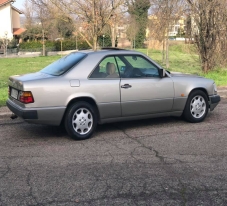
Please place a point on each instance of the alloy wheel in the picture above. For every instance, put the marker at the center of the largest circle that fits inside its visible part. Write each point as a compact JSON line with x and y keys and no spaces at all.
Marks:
{"x":82,"y":121}
{"x":198,"y":106}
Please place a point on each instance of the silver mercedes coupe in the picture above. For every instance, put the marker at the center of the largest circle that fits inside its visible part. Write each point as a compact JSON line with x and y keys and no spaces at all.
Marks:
{"x":87,"y":88}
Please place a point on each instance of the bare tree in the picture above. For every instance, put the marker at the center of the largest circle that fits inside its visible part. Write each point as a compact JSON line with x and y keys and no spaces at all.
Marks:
{"x":131,"y":31}
{"x":165,"y":13}
{"x":91,"y":15}
{"x":29,"y":13}
{"x":208,"y":20}
{"x":3,"y":45}
{"x":46,"y":20}
{"x":116,"y":19}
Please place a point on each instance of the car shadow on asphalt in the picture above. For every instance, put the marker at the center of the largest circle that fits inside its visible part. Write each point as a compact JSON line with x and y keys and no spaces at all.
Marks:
{"x":45,"y":132}
{"x":124,"y":125}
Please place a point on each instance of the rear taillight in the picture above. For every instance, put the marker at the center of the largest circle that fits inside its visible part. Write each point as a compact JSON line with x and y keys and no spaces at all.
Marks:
{"x":26,"y":97}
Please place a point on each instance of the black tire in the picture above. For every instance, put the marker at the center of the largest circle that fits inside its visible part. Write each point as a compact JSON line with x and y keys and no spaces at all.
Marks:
{"x":196,"y":108}
{"x":85,"y":120}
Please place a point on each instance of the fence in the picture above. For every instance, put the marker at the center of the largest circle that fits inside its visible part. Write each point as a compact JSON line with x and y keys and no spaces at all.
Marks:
{"x":9,"y":51}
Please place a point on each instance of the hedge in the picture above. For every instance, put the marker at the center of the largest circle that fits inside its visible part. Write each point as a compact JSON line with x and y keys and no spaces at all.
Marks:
{"x":53,"y":45}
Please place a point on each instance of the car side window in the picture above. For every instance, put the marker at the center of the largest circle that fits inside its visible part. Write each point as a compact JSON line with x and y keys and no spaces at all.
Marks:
{"x":138,"y":67}
{"x":107,"y":68}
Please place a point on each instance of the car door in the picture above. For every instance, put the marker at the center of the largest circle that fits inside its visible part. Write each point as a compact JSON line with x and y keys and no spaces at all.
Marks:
{"x":142,"y":90}
{"x":104,"y":83}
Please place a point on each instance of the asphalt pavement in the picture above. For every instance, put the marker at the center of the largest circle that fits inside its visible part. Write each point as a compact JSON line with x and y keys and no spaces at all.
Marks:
{"x":162,"y":161}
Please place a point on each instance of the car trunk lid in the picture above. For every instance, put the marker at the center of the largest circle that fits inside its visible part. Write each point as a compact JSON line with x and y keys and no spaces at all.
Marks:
{"x":17,"y":86}
{"x":17,"y":81}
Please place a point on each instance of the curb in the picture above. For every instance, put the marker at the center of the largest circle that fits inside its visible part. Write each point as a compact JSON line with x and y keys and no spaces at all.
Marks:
{"x":5,"y":112}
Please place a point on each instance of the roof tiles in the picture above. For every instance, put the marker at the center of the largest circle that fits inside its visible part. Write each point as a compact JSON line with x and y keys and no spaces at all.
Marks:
{"x":2,"y":2}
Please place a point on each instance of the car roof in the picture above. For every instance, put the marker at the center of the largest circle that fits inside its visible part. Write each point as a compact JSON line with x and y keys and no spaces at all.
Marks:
{"x":93,"y":58}
{"x":109,"y":51}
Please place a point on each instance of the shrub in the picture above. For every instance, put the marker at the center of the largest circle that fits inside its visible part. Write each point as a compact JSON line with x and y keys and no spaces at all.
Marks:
{"x":32,"y":45}
{"x":68,"y":44}
{"x":12,"y":44}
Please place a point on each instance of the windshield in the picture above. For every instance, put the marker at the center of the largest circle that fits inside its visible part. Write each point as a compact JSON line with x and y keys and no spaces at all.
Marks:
{"x":64,"y":64}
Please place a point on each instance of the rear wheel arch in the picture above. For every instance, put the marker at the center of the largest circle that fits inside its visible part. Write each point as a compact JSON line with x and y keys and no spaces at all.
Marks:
{"x":82,"y":99}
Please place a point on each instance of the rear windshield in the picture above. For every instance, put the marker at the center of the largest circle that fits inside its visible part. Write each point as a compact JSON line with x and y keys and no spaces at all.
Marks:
{"x":64,"y":64}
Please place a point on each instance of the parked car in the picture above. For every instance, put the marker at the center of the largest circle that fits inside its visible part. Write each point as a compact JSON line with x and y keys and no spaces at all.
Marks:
{"x":88,"y":87}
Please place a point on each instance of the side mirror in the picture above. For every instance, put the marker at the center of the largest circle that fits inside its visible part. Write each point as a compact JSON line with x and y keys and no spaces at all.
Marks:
{"x":162,"y":73}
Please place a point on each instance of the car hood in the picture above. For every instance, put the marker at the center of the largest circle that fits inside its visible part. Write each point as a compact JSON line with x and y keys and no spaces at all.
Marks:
{"x":178,"y":74}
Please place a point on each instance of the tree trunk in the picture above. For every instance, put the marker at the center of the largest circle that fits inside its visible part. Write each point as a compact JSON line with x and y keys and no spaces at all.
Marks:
{"x":163,"y":51}
{"x":167,"y":52}
{"x":205,"y":66}
{"x":94,"y":47}
{"x":113,"y":35}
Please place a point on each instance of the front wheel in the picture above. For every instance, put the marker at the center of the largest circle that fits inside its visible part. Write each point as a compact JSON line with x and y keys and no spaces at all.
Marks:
{"x":196,"y":108}
{"x":80,"y":121}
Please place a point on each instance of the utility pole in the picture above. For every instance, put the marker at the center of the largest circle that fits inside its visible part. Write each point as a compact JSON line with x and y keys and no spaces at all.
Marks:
{"x":61,"y":43}
{"x":134,"y":45}
{"x":6,"y":43}
{"x":167,"y":50}
{"x":76,"y":41}
{"x":94,"y":15}
{"x":103,"y":36}
{"x":167,"y":35}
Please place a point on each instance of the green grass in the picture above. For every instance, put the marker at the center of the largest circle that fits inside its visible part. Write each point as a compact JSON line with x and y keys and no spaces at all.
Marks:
{"x":182,"y":59}
{"x":219,"y":76}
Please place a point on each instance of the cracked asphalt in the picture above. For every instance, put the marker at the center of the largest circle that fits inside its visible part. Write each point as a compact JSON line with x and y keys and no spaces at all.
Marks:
{"x":163,"y":161}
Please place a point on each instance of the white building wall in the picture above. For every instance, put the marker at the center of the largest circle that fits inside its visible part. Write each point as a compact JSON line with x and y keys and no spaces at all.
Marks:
{"x":15,"y":19}
{"x":5,"y":22}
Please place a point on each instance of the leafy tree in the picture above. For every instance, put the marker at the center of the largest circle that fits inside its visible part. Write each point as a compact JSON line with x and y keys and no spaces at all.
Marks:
{"x":33,"y":33}
{"x":138,"y":9}
{"x":90,"y":16}
{"x":165,"y":14}
{"x":107,"y":41}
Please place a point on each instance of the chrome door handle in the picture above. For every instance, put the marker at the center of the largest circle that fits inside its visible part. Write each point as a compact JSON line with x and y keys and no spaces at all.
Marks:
{"x":126,"y":86}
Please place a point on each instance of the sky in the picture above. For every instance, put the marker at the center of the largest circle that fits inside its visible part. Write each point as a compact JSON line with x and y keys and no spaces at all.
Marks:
{"x":18,"y":4}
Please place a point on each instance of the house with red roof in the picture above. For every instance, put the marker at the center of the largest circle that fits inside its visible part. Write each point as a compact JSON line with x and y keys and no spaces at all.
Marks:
{"x":9,"y":20}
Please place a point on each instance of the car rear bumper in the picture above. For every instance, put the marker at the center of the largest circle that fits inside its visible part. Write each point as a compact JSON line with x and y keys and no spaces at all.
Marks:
{"x":45,"y":115}
{"x":214,"y":100}
{"x":21,"y":112}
